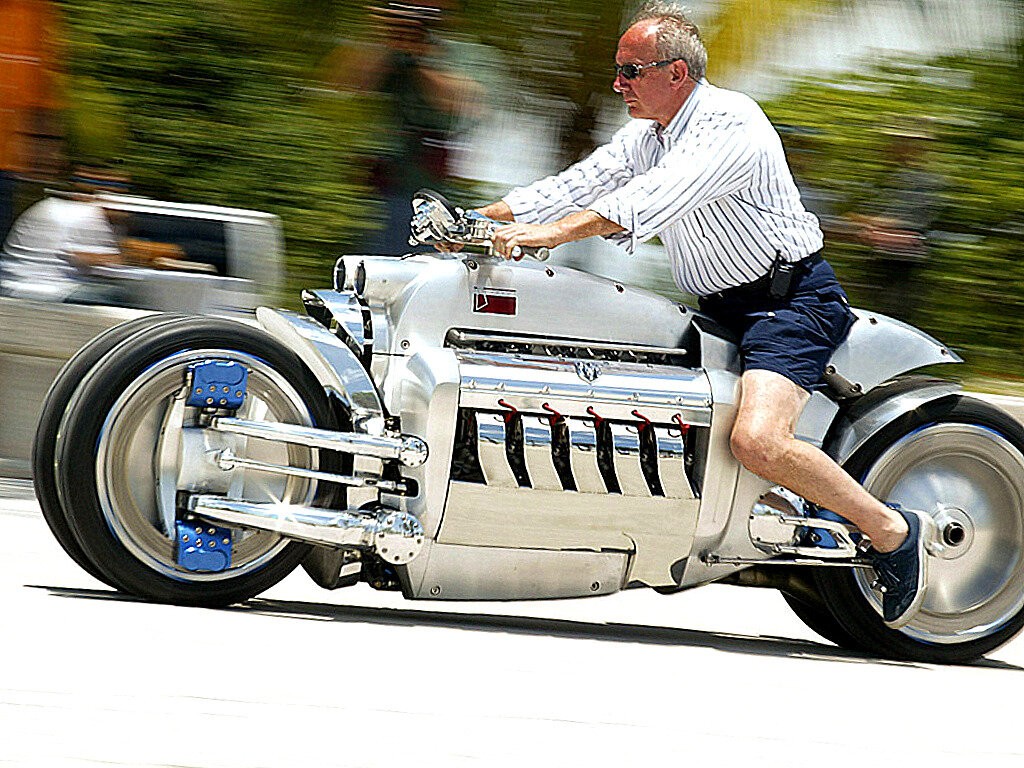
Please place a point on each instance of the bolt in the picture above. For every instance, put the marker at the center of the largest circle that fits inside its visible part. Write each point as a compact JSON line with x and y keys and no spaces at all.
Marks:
{"x":227,"y":389}
{"x":954,"y":534}
{"x":209,"y":401}
{"x":619,"y":288}
{"x":211,"y":531}
{"x":199,"y":390}
{"x":213,"y":388}
{"x":199,"y":530}
{"x":595,"y":586}
{"x":435,"y":590}
{"x":227,"y":541}
{"x":405,"y":344}
{"x":238,"y":393}
{"x":185,"y":537}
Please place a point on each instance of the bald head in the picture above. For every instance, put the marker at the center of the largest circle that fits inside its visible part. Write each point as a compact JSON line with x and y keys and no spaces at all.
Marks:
{"x":676,"y":36}
{"x":661,"y":86}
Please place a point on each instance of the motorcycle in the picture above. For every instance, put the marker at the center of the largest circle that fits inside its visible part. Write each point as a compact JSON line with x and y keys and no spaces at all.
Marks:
{"x":460,"y":427}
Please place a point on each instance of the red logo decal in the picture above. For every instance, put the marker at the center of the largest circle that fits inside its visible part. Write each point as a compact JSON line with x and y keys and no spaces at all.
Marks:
{"x":494,"y":301}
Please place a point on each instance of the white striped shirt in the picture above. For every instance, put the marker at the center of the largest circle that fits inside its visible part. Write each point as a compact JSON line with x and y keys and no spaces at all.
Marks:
{"x":714,"y":184}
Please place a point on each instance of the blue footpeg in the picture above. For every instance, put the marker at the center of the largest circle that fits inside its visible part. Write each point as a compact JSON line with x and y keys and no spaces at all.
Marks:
{"x":217,"y":384}
{"x":201,"y":547}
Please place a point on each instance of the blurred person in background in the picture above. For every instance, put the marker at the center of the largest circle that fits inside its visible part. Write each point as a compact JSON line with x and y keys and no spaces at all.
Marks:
{"x":704,"y":169}
{"x":898,"y":226}
{"x":55,"y":247}
{"x":408,"y":63}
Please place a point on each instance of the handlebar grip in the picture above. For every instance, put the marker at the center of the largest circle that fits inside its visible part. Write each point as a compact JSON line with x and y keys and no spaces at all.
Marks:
{"x":540,"y":253}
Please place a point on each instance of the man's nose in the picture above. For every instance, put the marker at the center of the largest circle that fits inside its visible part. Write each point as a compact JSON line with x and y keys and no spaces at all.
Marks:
{"x":619,"y":84}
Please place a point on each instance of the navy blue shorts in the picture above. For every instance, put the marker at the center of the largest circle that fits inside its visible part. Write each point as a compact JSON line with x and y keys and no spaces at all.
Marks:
{"x":794,"y":337}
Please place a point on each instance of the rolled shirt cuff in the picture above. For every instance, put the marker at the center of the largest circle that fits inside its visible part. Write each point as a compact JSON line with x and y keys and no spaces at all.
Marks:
{"x":621,"y":214}
{"x":522,"y":205}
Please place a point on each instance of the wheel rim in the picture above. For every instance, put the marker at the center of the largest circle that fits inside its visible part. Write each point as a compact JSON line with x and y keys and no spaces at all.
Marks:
{"x":967,"y":477}
{"x":138,"y":425}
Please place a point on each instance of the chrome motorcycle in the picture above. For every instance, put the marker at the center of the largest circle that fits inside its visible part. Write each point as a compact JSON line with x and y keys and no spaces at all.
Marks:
{"x":460,"y":427}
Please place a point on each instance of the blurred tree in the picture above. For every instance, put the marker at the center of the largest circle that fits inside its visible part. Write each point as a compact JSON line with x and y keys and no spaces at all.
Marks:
{"x":212,"y":96}
{"x":973,"y":111}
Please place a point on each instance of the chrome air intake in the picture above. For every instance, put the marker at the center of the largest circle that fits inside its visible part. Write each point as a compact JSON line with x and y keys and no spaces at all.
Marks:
{"x":585,"y":426}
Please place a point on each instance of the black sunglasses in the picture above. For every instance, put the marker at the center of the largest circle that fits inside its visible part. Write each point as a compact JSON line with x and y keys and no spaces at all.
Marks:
{"x":633,"y":71}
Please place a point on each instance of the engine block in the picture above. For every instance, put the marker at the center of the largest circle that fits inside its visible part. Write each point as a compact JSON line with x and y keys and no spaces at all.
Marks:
{"x":587,"y":426}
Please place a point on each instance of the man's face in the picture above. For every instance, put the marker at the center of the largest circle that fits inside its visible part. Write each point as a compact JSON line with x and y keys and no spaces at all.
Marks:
{"x":649,"y":96}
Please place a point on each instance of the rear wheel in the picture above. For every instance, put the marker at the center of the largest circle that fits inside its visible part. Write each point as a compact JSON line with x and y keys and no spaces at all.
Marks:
{"x":129,"y":443}
{"x":820,"y":620}
{"x":962,"y":462}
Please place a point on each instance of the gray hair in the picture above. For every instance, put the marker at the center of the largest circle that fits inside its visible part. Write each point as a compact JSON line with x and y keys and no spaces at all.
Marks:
{"x":676,"y":37}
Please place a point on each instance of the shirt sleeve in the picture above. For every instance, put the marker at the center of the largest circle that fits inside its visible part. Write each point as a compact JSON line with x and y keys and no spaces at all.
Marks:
{"x":574,"y":189}
{"x":92,"y":234}
{"x":716,"y":158}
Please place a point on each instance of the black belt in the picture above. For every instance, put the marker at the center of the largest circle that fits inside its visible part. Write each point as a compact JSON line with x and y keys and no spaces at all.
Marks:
{"x":759,"y":288}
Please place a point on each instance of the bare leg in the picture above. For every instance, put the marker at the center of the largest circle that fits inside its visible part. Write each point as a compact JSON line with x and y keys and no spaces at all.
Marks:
{"x":763,"y":441}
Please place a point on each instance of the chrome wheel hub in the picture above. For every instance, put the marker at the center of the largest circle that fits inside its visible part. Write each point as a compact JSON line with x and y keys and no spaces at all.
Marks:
{"x":968,"y":477}
{"x":146,"y":454}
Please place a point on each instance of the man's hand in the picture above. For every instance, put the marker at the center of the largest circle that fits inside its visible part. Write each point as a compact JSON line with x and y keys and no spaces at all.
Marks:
{"x":507,"y":238}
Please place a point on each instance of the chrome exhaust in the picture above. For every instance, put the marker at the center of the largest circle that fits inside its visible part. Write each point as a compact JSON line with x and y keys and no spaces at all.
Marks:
{"x":395,"y":536}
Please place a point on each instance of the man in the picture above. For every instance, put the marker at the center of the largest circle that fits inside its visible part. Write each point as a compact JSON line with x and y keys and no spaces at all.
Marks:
{"x":427,"y":99}
{"x":54,"y":246}
{"x":702,"y":168}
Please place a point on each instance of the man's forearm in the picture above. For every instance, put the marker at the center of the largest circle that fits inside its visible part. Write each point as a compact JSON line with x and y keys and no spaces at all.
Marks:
{"x":575,"y":226}
{"x":584,"y":224}
{"x":498,"y":211}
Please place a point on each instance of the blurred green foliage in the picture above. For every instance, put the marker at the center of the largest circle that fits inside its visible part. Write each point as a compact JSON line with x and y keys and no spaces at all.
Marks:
{"x":971,"y":112}
{"x":217,"y":111}
{"x":223,"y":102}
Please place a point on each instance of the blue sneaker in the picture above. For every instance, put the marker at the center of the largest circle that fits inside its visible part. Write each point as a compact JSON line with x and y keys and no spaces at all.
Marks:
{"x":903,"y":573}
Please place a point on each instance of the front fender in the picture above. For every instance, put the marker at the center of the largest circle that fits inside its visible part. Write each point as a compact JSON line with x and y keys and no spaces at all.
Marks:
{"x":332,"y":362}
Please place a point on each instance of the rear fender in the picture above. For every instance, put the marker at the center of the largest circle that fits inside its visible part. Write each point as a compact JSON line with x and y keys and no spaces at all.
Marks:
{"x":857,"y":423}
{"x":879,"y":348}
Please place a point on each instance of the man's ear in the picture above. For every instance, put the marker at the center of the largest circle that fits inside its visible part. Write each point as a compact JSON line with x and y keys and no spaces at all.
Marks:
{"x":680,"y":71}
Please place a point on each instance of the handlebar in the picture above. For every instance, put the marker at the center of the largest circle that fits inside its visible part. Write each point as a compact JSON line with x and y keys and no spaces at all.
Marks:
{"x":435,"y":222}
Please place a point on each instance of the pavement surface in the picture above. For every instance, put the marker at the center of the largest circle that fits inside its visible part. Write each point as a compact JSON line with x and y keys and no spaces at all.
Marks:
{"x":305,"y":677}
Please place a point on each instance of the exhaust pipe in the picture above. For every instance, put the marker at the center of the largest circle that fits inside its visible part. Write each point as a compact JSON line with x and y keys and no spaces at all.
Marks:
{"x":395,"y":536}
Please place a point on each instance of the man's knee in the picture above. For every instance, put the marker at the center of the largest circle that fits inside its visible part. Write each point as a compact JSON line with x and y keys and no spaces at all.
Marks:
{"x":756,"y":446}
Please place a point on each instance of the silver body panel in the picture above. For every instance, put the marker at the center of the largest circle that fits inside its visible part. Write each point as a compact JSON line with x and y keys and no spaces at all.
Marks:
{"x":643,"y":509}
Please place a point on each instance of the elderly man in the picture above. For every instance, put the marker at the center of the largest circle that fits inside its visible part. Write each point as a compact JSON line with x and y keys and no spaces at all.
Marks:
{"x":702,"y":168}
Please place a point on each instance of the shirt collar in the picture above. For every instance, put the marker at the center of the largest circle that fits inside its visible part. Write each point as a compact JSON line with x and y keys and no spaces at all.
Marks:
{"x":677,"y":125}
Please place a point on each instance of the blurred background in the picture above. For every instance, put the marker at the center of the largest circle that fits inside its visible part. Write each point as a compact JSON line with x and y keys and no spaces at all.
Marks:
{"x":903,"y":121}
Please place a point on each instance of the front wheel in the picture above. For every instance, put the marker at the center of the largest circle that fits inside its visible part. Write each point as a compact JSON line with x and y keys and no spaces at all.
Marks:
{"x":129,"y":443}
{"x":961,"y":461}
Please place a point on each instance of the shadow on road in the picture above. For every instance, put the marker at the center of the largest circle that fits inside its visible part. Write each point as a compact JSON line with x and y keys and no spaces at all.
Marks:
{"x":758,"y":645}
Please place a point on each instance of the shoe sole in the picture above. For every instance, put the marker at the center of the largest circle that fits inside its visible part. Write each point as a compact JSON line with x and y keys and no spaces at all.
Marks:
{"x":925,"y":538}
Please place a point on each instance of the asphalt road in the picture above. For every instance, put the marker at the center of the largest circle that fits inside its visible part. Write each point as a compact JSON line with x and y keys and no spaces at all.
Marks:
{"x":305,"y":677}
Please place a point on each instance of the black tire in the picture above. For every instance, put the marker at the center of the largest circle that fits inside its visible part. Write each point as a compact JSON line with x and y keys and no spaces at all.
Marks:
{"x":963,"y":450}
{"x":117,"y":538}
{"x":54,"y":407}
{"x":821,"y":621}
